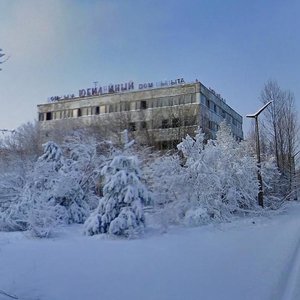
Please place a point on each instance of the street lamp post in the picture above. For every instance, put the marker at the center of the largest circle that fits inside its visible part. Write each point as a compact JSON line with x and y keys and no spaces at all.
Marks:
{"x":259,"y":177}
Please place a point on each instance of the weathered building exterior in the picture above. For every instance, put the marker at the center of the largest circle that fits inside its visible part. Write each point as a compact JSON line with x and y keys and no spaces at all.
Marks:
{"x":155,"y":116}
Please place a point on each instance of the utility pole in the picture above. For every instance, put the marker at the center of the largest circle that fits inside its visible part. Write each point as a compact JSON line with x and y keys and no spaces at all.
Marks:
{"x":259,"y":177}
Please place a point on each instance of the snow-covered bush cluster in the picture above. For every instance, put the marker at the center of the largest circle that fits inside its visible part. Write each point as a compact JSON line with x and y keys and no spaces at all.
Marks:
{"x":211,"y":181}
{"x":94,"y":183}
{"x":59,"y":187}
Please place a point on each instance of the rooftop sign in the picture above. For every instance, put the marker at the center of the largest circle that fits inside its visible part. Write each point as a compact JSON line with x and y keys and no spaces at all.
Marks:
{"x":116,"y":88}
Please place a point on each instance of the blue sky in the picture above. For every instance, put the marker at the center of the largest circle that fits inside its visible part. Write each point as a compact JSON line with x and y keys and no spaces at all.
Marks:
{"x":59,"y":46}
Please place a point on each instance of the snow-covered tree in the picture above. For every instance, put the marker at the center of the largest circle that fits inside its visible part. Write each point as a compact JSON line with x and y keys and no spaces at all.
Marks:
{"x":29,"y":202}
{"x":85,"y":159}
{"x":211,"y":181}
{"x":38,"y":196}
{"x":165,"y":176}
{"x":222,"y":178}
{"x":120,"y":211}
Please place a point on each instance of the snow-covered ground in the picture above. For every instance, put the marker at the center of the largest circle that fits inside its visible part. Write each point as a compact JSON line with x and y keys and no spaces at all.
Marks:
{"x":251,"y":258}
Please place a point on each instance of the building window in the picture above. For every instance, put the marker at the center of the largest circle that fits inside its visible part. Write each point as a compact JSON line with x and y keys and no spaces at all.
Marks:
{"x":187,"y":99}
{"x":84,"y":111}
{"x":79,"y":113}
{"x":207,"y":103}
{"x":143,"y":104}
{"x":174,"y":143}
{"x":110,"y":108}
{"x":159,"y":103}
{"x":125,"y":106}
{"x":164,"y":145}
{"x":97,"y":110}
{"x":165,"y":123}
{"x":193,"y":98}
{"x":191,"y":121}
{"x":49,"y":116}
{"x":41,"y":116}
{"x":102,"y":109}
{"x":181,"y":100}
{"x":215,"y":108}
{"x":132,"y":106}
{"x":175,"y":122}
{"x":143,"y":125}
{"x":132,"y":126}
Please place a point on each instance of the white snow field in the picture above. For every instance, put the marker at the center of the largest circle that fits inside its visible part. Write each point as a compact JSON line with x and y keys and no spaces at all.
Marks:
{"x":250,"y":258}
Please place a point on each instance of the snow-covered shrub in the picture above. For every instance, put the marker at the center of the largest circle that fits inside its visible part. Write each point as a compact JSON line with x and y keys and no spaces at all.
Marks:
{"x":64,"y":181}
{"x":43,"y":217}
{"x":221,"y":176}
{"x":211,"y":181}
{"x":165,"y":176}
{"x":120,"y":210}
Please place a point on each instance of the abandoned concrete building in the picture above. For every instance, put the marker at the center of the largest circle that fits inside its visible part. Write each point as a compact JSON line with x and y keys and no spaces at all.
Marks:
{"x":158,"y":115}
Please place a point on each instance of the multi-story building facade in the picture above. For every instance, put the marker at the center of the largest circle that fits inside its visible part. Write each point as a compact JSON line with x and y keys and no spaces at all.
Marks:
{"x":160,"y":116}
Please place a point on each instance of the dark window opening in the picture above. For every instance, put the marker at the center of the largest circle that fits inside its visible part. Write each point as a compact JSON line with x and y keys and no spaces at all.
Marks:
{"x":207,"y":103}
{"x":174,"y":143}
{"x":191,"y":121}
{"x":49,"y":116}
{"x":215,"y":108}
{"x":97,"y":110}
{"x":165,"y":124}
{"x":143,"y":105}
{"x":110,"y":108}
{"x":164,"y":145}
{"x":176,"y":122}
{"x":79,"y":113}
{"x":132,"y":126}
{"x":181,"y":100}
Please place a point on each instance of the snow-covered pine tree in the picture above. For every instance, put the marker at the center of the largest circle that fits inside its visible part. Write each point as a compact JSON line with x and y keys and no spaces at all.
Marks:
{"x":120,"y":211}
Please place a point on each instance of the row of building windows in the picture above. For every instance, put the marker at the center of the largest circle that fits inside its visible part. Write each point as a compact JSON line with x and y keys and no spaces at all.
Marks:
{"x":163,"y":124}
{"x":219,"y":111}
{"x":118,"y":107}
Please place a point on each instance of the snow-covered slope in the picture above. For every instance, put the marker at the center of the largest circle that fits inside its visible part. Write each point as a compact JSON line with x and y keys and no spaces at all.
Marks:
{"x":251,"y":258}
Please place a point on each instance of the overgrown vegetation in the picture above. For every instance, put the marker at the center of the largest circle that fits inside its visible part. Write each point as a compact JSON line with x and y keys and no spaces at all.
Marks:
{"x":87,"y":180}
